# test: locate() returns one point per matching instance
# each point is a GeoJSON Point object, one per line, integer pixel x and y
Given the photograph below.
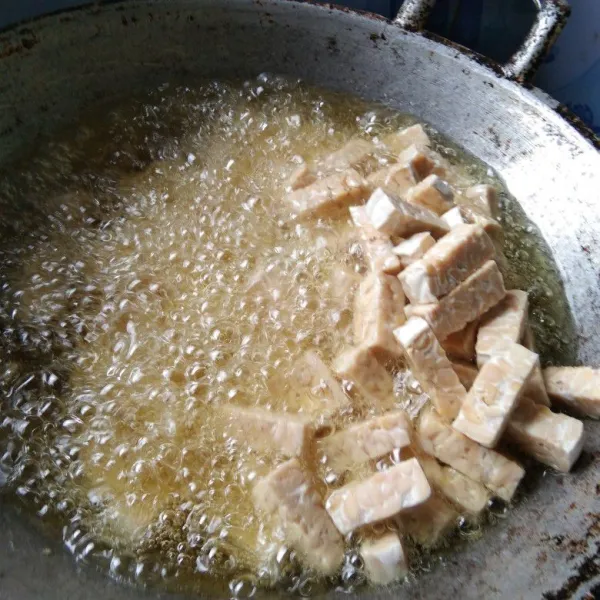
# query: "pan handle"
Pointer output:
{"type": "Point", "coordinates": [551, 18]}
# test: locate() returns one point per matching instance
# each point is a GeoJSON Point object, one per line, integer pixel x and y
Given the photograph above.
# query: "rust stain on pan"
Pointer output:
{"type": "Point", "coordinates": [577, 123]}
{"type": "Point", "coordinates": [480, 59]}
{"type": "Point", "coordinates": [27, 41]}
{"type": "Point", "coordinates": [339, 8]}
{"type": "Point", "coordinates": [586, 571]}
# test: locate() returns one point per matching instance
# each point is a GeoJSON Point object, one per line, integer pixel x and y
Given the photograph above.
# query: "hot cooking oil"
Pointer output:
{"type": "Point", "coordinates": [149, 274]}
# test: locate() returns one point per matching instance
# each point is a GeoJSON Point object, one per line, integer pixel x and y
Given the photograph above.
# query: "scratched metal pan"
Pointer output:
{"type": "Point", "coordinates": [54, 67]}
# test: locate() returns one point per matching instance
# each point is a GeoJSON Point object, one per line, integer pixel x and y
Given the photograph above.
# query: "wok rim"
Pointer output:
{"type": "Point", "coordinates": [535, 93]}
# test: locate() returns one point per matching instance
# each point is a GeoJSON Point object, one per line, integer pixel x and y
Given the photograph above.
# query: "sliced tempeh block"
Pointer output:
{"type": "Point", "coordinates": [376, 246]}
{"type": "Point", "coordinates": [465, 493]}
{"type": "Point", "coordinates": [495, 471]}
{"type": "Point", "coordinates": [430, 522]}
{"type": "Point", "coordinates": [302, 177]}
{"type": "Point", "coordinates": [431, 366]}
{"type": "Point", "coordinates": [412, 310]}
{"type": "Point", "coordinates": [384, 559]}
{"type": "Point", "coordinates": [444, 266]}
{"type": "Point", "coordinates": [378, 497]}
{"type": "Point", "coordinates": [360, 367]}
{"type": "Point", "coordinates": [494, 395]}
{"type": "Point", "coordinates": [262, 429]}
{"type": "Point", "coordinates": [396, 217]}
{"type": "Point", "coordinates": [411, 136]}
{"type": "Point", "coordinates": [551, 438]}
{"type": "Point", "coordinates": [288, 493]}
{"type": "Point", "coordinates": [418, 161]}
{"type": "Point", "coordinates": [483, 198]}
{"type": "Point", "coordinates": [535, 388]}
{"type": "Point", "coordinates": [380, 256]}
{"type": "Point", "coordinates": [328, 195]}
{"type": "Point", "coordinates": [361, 220]}
{"type": "Point", "coordinates": [503, 324]}
{"type": "Point", "coordinates": [342, 283]}
{"type": "Point", "coordinates": [466, 372]}
{"type": "Point", "coordinates": [396, 179]}
{"type": "Point", "coordinates": [413, 248]}
{"type": "Point", "coordinates": [577, 388]}
{"type": "Point", "coordinates": [355, 154]}
{"type": "Point", "coordinates": [378, 310]}
{"type": "Point", "coordinates": [465, 303]}
{"type": "Point", "coordinates": [453, 217]}
{"type": "Point", "coordinates": [461, 344]}
{"type": "Point", "coordinates": [490, 226]}
{"type": "Point", "coordinates": [433, 193]}
{"type": "Point", "coordinates": [312, 377]}
{"type": "Point", "coordinates": [528, 339]}
{"type": "Point", "coordinates": [367, 440]}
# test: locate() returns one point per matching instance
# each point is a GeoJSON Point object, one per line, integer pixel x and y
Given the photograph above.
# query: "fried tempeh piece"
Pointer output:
{"type": "Point", "coordinates": [551, 438]}
{"type": "Point", "coordinates": [577, 388]}
{"type": "Point", "coordinates": [378, 497]}
{"type": "Point", "coordinates": [355, 154]}
{"type": "Point", "coordinates": [503, 324]}
{"type": "Point", "coordinates": [342, 283]}
{"type": "Point", "coordinates": [453, 217]}
{"type": "Point", "coordinates": [413, 248]}
{"type": "Point", "coordinates": [418, 161]}
{"type": "Point", "coordinates": [327, 196]}
{"type": "Point", "coordinates": [462, 491]}
{"type": "Point", "coordinates": [536, 388]}
{"type": "Point", "coordinates": [430, 522]}
{"type": "Point", "coordinates": [465, 303]}
{"type": "Point", "coordinates": [361, 220]}
{"type": "Point", "coordinates": [380, 256]}
{"type": "Point", "coordinates": [490, 226]}
{"type": "Point", "coordinates": [378, 310]}
{"type": "Point", "coordinates": [466, 372]}
{"type": "Point", "coordinates": [396, 179]}
{"type": "Point", "coordinates": [528, 339]}
{"type": "Point", "coordinates": [262, 429]}
{"type": "Point", "coordinates": [368, 440]}
{"type": "Point", "coordinates": [530, 426]}
{"type": "Point", "coordinates": [300, 178]}
{"type": "Point", "coordinates": [444, 266]}
{"type": "Point", "coordinates": [461, 344]}
{"type": "Point", "coordinates": [483, 198]}
{"type": "Point", "coordinates": [359, 366]}
{"type": "Point", "coordinates": [384, 558]}
{"type": "Point", "coordinates": [411, 310]}
{"type": "Point", "coordinates": [312, 377]}
{"type": "Point", "coordinates": [414, 135]}
{"type": "Point", "coordinates": [495, 471]}
{"type": "Point", "coordinates": [494, 395]}
{"type": "Point", "coordinates": [396, 217]}
{"type": "Point", "coordinates": [433, 193]}
{"type": "Point", "coordinates": [414, 164]}
{"type": "Point", "coordinates": [288, 493]}
{"type": "Point", "coordinates": [431, 366]}
{"type": "Point", "coordinates": [376, 246]}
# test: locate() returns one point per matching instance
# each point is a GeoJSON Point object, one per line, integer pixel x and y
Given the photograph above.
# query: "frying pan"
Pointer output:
{"type": "Point", "coordinates": [52, 68]}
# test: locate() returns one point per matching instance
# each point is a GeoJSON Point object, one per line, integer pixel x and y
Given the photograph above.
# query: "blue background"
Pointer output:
{"type": "Point", "coordinates": [571, 72]}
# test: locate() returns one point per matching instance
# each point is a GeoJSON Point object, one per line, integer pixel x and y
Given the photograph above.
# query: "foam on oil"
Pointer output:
{"type": "Point", "coordinates": [149, 273]}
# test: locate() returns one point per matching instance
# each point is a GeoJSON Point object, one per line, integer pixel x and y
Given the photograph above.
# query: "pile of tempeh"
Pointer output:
{"type": "Point", "coordinates": [434, 298]}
